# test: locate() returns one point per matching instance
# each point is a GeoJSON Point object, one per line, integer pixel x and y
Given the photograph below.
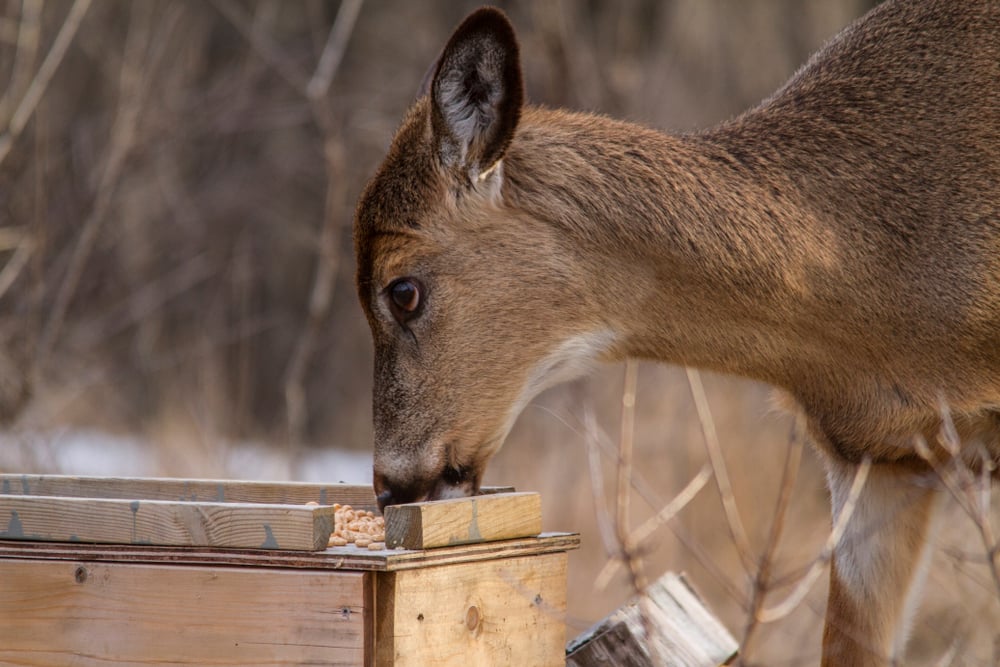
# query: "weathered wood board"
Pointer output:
{"type": "Point", "coordinates": [161, 522]}
{"type": "Point", "coordinates": [463, 520]}
{"type": "Point", "coordinates": [451, 616]}
{"type": "Point", "coordinates": [196, 490]}
{"type": "Point", "coordinates": [57, 613]}
{"type": "Point", "coordinates": [190, 490]}
{"type": "Point", "coordinates": [333, 558]}
{"type": "Point", "coordinates": [685, 633]}
{"type": "Point", "coordinates": [202, 513]}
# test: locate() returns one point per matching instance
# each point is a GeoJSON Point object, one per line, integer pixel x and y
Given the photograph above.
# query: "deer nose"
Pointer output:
{"type": "Point", "coordinates": [384, 499]}
{"type": "Point", "coordinates": [389, 492]}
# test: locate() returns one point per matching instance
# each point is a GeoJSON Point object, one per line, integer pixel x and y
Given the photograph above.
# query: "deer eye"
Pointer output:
{"type": "Point", "coordinates": [404, 297]}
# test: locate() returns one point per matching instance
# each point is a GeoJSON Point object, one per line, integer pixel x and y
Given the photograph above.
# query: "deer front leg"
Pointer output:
{"type": "Point", "coordinates": [879, 564]}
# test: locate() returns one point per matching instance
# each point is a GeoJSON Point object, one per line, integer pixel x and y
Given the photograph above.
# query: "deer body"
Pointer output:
{"type": "Point", "coordinates": [841, 242]}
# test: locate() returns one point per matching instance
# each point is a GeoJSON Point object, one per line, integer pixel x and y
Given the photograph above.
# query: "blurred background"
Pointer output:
{"type": "Point", "coordinates": [177, 183]}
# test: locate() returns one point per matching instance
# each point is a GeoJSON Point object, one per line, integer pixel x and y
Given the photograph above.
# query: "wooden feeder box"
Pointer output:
{"type": "Point", "coordinates": [98, 571]}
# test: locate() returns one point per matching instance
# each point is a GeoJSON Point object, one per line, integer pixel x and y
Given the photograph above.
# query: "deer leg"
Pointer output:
{"type": "Point", "coordinates": [878, 565]}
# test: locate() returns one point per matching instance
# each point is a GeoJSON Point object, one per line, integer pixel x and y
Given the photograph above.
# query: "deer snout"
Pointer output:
{"type": "Point", "coordinates": [450, 483]}
{"type": "Point", "coordinates": [396, 492]}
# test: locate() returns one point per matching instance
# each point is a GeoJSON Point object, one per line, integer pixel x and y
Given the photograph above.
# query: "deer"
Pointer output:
{"type": "Point", "coordinates": [839, 242]}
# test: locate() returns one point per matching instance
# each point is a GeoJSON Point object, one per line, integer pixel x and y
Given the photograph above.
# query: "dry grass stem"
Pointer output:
{"type": "Point", "coordinates": [972, 493]}
{"type": "Point", "coordinates": [794, 599]}
{"type": "Point", "coordinates": [639, 536]}
{"type": "Point", "coordinates": [762, 580]}
{"type": "Point", "coordinates": [625, 452]}
{"type": "Point", "coordinates": [735, 523]}
{"type": "Point", "coordinates": [40, 82]}
{"type": "Point", "coordinates": [592, 440]}
{"type": "Point", "coordinates": [598, 442]}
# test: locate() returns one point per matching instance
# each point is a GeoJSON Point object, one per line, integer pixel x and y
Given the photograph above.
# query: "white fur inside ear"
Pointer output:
{"type": "Point", "coordinates": [483, 175]}
{"type": "Point", "coordinates": [488, 182]}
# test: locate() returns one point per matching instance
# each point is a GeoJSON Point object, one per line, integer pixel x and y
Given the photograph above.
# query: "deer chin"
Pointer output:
{"type": "Point", "coordinates": [573, 358]}
{"type": "Point", "coordinates": [445, 490]}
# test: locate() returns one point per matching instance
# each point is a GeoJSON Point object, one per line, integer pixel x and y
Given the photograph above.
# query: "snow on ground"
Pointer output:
{"type": "Point", "coordinates": [85, 452]}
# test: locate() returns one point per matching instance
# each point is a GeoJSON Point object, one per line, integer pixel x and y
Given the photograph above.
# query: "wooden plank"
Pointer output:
{"type": "Point", "coordinates": [509, 611]}
{"type": "Point", "coordinates": [686, 634]}
{"type": "Point", "coordinates": [191, 490]}
{"type": "Point", "coordinates": [96, 614]}
{"type": "Point", "coordinates": [195, 490]}
{"type": "Point", "coordinates": [337, 558]}
{"type": "Point", "coordinates": [463, 520]}
{"type": "Point", "coordinates": [160, 522]}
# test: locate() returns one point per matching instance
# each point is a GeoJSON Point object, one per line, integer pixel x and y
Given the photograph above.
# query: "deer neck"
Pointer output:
{"type": "Point", "coordinates": [694, 256]}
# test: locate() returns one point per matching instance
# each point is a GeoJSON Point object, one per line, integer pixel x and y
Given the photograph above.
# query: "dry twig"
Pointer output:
{"type": "Point", "coordinates": [762, 579]}
{"type": "Point", "coordinates": [790, 603]}
{"type": "Point", "coordinates": [43, 76]}
{"type": "Point", "coordinates": [134, 82]}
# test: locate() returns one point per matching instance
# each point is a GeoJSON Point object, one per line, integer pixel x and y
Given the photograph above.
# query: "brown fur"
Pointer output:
{"type": "Point", "coordinates": [841, 241]}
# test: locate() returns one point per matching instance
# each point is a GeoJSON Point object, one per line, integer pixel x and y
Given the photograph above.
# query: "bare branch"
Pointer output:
{"type": "Point", "coordinates": [333, 52]}
{"type": "Point", "coordinates": [14, 266]}
{"type": "Point", "coordinates": [762, 581]}
{"type": "Point", "coordinates": [654, 523]}
{"type": "Point", "coordinates": [28, 33]}
{"type": "Point", "coordinates": [133, 85]}
{"type": "Point", "coordinates": [794, 599]}
{"type": "Point", "coordinates": [262, 44]}
{"type": "Point", "coordinates": [41, 80]}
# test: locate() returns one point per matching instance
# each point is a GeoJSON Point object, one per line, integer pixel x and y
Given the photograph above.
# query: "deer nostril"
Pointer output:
{"type": "Point", "coordinates": [383, 499]}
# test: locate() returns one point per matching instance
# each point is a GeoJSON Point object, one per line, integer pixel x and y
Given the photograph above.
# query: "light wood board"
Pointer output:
{"type": "Point", "coordinates": [196, 490]}
{"type": "Point", "coordinates": [58, 613]}
{"type": "Point", "coordinates": [463, 520]}
{"type": "Point", "coordinates": [190, 490]}
{"type": "Point", "coordinates": [160, 522]}
{"type": "Point", "coordinates": [508, 611]}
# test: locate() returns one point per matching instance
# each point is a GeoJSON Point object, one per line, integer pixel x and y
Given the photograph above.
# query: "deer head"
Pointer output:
{"type": "Point", "coordinates": [451, 276]}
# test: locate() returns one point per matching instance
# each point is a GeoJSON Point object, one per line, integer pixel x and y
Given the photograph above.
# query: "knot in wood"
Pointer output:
{"type": "Point", "coordinates": [472, 618]}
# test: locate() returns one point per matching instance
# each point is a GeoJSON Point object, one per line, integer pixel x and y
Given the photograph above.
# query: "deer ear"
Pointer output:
{"type": "Point", "coordinates": [476, 94]}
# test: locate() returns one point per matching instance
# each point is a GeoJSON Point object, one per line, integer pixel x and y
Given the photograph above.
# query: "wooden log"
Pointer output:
{"type": "Point", "coordinates": [509, 611]}
{"type": "Point", "coordinates": [463, 520]}
{"type": "Point", "coordinates": [160, 522]}
{"type": "Point", "coordinates": [684, 632]}
{"type": "Point", "coordinates": [96, 614]}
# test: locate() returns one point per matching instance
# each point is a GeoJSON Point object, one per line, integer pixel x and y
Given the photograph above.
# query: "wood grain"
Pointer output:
{"type": "Point", "coordinates": [190, 490]}
{"type": "Point", "coordinates": [96, 614]}
{"type": "Point", "coordinates": [509, 611]}
{"type": "Point", "coordinates": [207, 490]}
{"type": "Point", "coordinates": [350, 557]}
{"type": "Point", "coordinates": [159, 522]}
{"type": "Point", "coordinates": [442, 523]}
